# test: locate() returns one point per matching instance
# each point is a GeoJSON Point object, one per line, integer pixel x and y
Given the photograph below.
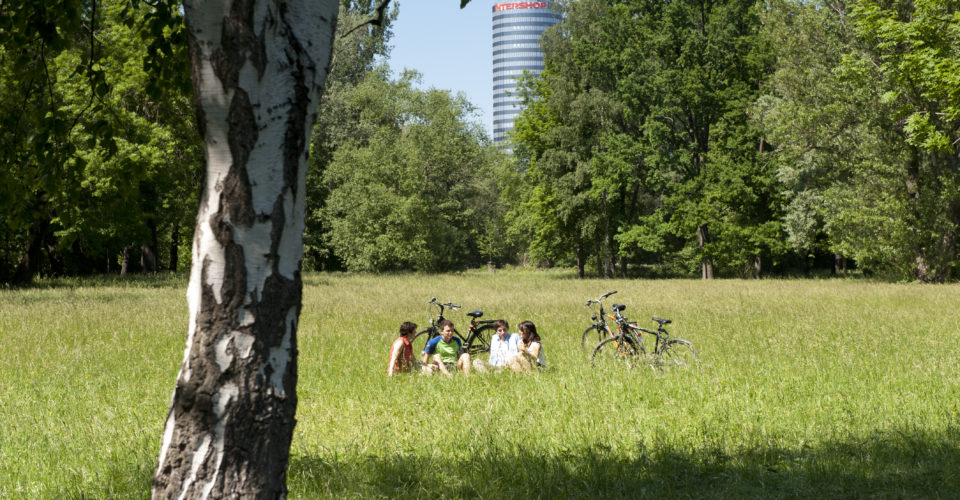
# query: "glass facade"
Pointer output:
{"type": "Point", "coordinates": [517, 27]}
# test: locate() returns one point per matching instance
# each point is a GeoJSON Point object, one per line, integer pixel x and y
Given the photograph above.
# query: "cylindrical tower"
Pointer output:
{"type": "Point", "coordinates": [517, 27]}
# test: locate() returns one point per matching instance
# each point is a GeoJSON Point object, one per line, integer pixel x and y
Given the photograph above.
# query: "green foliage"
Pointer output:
{"type": "Point", "coordinates": [638, 133]}
{"type": "Point", "coordinates": [862, 117]}
{"type": "Point", "coordinates": [355, 53]}
{"type": "Point", "coordinates": [411, 188]}
{"type": "Point", "coordinates": [91, 162]}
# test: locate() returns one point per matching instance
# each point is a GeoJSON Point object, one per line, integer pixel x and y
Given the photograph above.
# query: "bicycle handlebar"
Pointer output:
{"type": "Point", "coordinates": [450, 305]}
{"type": "Point", "coordinates": [597, 301]}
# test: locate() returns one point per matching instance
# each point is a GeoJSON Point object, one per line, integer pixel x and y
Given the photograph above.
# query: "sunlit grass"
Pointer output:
{"type": "Point", "coordinates": [805, 388]}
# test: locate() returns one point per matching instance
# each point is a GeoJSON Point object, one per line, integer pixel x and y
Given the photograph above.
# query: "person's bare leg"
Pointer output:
{"type": "Point", "coordinates": [519, 364]}
{"type": "Point", "coordinates": [464, 363]}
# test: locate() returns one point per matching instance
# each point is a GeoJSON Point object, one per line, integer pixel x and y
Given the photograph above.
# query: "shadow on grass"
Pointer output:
{"type": "Point", "coordinates": [889, 465]}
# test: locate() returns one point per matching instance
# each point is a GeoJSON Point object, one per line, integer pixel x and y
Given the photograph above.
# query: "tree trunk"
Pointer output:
{"type": "Point", "coordinates": [839, 264]}
{"type": "Point", "coordinates": [757, 265]}
{"type": "Point", "coordinates": [30, 262]}
{"type": "Point", "coordinates": [609, 264]}
{"type": "Point", "coordinates": [706, 267]}
{"type": "Point", "coordinates": [600, 268]}
{"type": "Point", "coordinates": [53, 255]}
{"type": "Point", "coordinates": [258, 67]}
{"type": "Point", "coordinates": [175, 245]}
{"type": "Point", "coordinates": [154, 247]}
{"type": "Point", "coordinates": [580, 263]}
{"type": "Point", "coordinates": [148, 260]}
{"type": "Point", "coordinates": [125, 263]}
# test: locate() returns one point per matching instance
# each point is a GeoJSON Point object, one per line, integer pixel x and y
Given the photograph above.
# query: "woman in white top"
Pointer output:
{"type": "Point", "coordinates": [530, 349]}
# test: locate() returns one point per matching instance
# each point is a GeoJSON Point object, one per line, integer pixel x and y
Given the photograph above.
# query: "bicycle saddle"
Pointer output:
{"type": "Point", "coordinates": [475, 314]}
{"type": "Point", "coordinates": [662, 321]}
{"type": "Point", "coordinates": [619, 307]}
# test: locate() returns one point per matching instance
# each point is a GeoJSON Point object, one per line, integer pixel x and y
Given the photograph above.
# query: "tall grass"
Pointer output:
{"type": "Point", "coordinates": [805, 388]}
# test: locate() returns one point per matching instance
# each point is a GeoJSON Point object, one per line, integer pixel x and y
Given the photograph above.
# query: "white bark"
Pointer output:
{"type": "Point", "coordinates": [258, 67]}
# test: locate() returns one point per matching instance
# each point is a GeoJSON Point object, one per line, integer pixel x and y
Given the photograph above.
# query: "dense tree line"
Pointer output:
{"type": "Point", "coordinates": [102, 158]}
{"type": "Point", "coordinates": [734, 137]}
{"type": "Point", "coordinates": [681, 138]}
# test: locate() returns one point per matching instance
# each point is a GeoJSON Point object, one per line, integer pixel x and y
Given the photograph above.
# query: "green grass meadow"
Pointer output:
{"type": "Point", "coordinates": [819, 388]}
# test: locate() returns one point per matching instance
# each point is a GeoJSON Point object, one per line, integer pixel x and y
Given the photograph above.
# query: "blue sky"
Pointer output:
{"type": "Point", "coordinates": [450, 47]}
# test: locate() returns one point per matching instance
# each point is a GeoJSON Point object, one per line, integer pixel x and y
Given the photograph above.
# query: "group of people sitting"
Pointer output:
{"type": "Point", "coordinates": [445, 354]}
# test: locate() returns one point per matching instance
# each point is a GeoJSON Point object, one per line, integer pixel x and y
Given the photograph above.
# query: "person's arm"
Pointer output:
{"type": "Point", "coordinates": [513, 346]}
{"type": "Point", "coordinates": [428, 349]}
{"type": "Point", "coordinates": [534, 350]}
{"type": "Point", "coordinates": [394, 356]}
{"type": "Point", "coordinates": [441, 364]}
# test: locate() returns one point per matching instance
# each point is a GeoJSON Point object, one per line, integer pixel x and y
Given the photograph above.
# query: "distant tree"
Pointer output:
{"type": "Point", "coordinates": [87, 152]}
{"type": "Point", "coordinates": [915, 45]}
{"type": "Point", "coordinates": [355, 53]}
{"type": "Point", "coordinates": [637, 140]}
{"type": "Point", "coordinates": [860, 113]}
{"type": "Point", "coordinates": [409, 189]}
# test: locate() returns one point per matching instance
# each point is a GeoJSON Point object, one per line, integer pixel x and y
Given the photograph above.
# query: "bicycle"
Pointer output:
{"type": "Point", "coordinates": [474, 343]}
{"type": "Point", "coordinates": [599, 329]}
{"type": "Point", "coordinates": [627, 346]}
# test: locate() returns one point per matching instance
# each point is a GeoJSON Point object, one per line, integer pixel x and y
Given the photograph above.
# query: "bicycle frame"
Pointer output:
{"type": "Point", "coordinates": [472, 331]}
{"type": "Point", "coordinates": [660, 334]}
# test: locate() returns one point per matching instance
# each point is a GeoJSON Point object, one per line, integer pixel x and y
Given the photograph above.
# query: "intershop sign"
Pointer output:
{"type": "Point", "coordinates": [520, 5]}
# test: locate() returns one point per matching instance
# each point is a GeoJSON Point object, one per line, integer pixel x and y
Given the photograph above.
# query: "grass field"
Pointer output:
{"type": "Point", "coordinates": [805, 389]}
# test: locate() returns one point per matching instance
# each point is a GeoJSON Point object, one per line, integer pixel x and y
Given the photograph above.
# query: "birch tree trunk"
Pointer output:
{"type": "Point", "coordinates": [258, 67]}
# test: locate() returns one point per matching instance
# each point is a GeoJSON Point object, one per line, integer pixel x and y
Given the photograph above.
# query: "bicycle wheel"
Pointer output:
{"type": "Point", "coordinates": [592, 336]}
{"type": "Point", "coordinates": [479, 343]}
{"type": "Point", "coordinates": [618, 349]}
{"type": "Point", "coordinates": [677, 352]}
{"type": "Point", "coordinates": [420, 341]}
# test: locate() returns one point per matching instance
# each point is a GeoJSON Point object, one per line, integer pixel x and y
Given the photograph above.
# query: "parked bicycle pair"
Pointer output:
{"type": "Point", "coordinates": [626, 345]}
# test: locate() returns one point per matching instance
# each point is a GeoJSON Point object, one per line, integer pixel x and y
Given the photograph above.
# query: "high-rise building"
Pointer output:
{"type": "Point", "coordinates": [517, 27]}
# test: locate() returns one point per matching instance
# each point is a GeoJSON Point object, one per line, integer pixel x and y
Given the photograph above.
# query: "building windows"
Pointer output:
{"type": "Point", "coordinates": [516, 49]}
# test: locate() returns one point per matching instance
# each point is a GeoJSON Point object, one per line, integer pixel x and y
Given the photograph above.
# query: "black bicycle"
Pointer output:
{"type": "Point", "coordinates": [475, 342]}
{"type": "Point", "coordinates": [627, 346]}
{"type": "Point", "coordinates": [598, 331]}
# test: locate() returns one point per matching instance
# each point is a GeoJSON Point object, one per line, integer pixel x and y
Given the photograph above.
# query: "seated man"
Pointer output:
{"type": "Point", "coordinates": [503, 345]}
{"type": "Point", "coordinates": [445, 351]}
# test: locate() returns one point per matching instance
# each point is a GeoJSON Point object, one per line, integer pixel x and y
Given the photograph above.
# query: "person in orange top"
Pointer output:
{"type": "Point", "coordinates": [401, 352]}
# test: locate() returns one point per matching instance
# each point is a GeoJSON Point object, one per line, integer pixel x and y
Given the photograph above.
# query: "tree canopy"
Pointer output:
{"type": "Point", "coordinates": [680, 138]}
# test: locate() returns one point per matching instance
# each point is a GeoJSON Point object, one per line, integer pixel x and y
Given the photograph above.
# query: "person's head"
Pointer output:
{"type": "Point", "coordinates": [528, 332]}
{"type": "Point", "coordinates": [502, 327]}
{"type": "Point", "coordinates": [408, 329]}
{"type": "Point", "coordinates": [446, 329]}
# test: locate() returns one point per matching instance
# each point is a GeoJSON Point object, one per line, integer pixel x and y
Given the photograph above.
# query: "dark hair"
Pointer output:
{"type": "Point", "coordinates": [501, 322]}
{"type": "Point", "coordinates": [528, 332]}
{"type": "Point", "coordinates": [407, 328]}
{"type": "Point", "coordinates": [443, 323]}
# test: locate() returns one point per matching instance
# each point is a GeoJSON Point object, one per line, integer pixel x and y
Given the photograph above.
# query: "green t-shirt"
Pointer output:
{"type": "Point", "coordinates": [449, 351]}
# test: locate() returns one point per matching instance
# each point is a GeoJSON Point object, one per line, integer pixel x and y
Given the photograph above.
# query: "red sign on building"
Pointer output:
{"type": "Point", "coordinates": [519, 5]}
